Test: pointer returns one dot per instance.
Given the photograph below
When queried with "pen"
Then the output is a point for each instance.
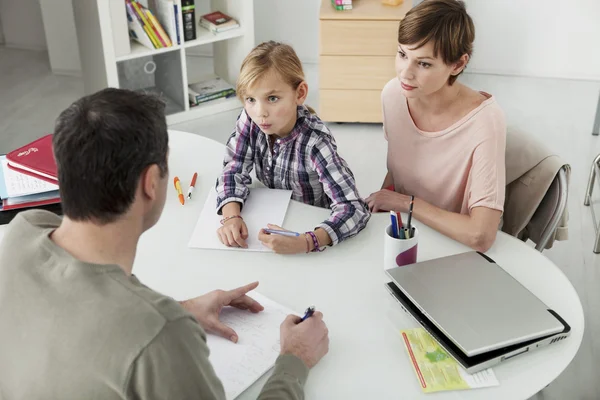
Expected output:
(282, 233)
(400, 223)
(178, 187)
(192, 185)
(308, 313)
(394, 225)
(410, 211)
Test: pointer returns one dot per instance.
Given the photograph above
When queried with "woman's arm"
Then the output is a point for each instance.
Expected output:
(388, 181)
(477, 229)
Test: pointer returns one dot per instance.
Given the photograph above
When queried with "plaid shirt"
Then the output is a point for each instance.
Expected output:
(306, 162)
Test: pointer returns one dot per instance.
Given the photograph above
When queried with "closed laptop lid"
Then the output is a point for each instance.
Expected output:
(473, 301)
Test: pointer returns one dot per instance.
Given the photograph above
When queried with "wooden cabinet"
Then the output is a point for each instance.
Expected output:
(356, 58)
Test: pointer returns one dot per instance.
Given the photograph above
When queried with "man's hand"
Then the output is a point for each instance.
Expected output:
(283, 244)
(387, 200)
(206, 308)
(308, 340)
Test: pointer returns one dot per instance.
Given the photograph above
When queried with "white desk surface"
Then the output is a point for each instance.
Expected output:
(367, 358)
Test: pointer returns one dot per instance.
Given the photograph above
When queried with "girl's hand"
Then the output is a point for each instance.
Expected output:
(387, 200)
(234, 233)
(282, 244)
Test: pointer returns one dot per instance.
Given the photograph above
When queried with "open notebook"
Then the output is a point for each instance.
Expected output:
(240, 364)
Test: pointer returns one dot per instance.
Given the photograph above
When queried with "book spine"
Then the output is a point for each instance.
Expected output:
(208, 25)
(162, 35)
(214, 96)
(343, 2)
(154, 40)
(6, 206)
(217, 29)
(176, 11)
(188, 11)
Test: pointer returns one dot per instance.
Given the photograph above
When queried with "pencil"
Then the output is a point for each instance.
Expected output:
(410, 211)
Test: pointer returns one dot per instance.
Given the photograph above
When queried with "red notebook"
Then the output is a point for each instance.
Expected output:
(35, 159)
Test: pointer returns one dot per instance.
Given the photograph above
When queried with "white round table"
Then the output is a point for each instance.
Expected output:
(367, 358)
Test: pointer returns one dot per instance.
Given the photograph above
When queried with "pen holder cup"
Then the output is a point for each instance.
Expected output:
(399, 252)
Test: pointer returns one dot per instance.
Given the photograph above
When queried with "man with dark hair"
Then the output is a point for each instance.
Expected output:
(75, 323)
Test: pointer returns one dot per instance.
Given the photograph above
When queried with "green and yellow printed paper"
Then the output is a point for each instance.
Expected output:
(436, 370)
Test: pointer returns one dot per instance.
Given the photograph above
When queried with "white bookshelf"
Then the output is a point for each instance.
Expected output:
(100, 28)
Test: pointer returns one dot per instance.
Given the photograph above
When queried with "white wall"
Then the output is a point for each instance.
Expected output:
(22, 24)
(295, 22)
(61, 38)
(550, 38)
(547, 38)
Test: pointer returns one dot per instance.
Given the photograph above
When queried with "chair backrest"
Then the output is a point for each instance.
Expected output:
(536, 195)
(550, 210)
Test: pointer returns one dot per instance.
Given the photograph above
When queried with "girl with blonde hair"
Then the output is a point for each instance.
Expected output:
(291, 148)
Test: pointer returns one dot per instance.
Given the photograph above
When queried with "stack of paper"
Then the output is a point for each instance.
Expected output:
(19, 190)
(240, 364)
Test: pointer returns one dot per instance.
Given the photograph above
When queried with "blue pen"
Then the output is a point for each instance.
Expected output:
(394, 219)
(308, 313)
(282, 233)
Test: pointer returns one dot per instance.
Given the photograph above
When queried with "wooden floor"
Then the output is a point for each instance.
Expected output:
(558, 112)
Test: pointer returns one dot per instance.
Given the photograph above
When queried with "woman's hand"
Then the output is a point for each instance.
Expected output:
(387, 200)
(282, 244)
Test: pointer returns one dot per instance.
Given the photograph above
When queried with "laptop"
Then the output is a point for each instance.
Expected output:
(478, 312)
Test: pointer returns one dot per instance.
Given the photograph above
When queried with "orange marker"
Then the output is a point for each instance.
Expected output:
(178, 187)
(192, 185)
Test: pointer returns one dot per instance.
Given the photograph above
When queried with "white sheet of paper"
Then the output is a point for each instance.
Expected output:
(18, 184)
(481, 379)
(263, 206)
(240, 364)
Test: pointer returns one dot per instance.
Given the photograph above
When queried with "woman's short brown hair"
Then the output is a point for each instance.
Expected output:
(446, 23)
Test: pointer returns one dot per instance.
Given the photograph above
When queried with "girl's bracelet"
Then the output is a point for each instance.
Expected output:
(315, 242)
(230, 217)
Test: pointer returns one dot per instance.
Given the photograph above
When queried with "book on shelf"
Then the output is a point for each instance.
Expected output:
(188, 14)
(137, 30)
(166, 12)
(218, 22)
(158, 30)
(210, 89)
(139, 11)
